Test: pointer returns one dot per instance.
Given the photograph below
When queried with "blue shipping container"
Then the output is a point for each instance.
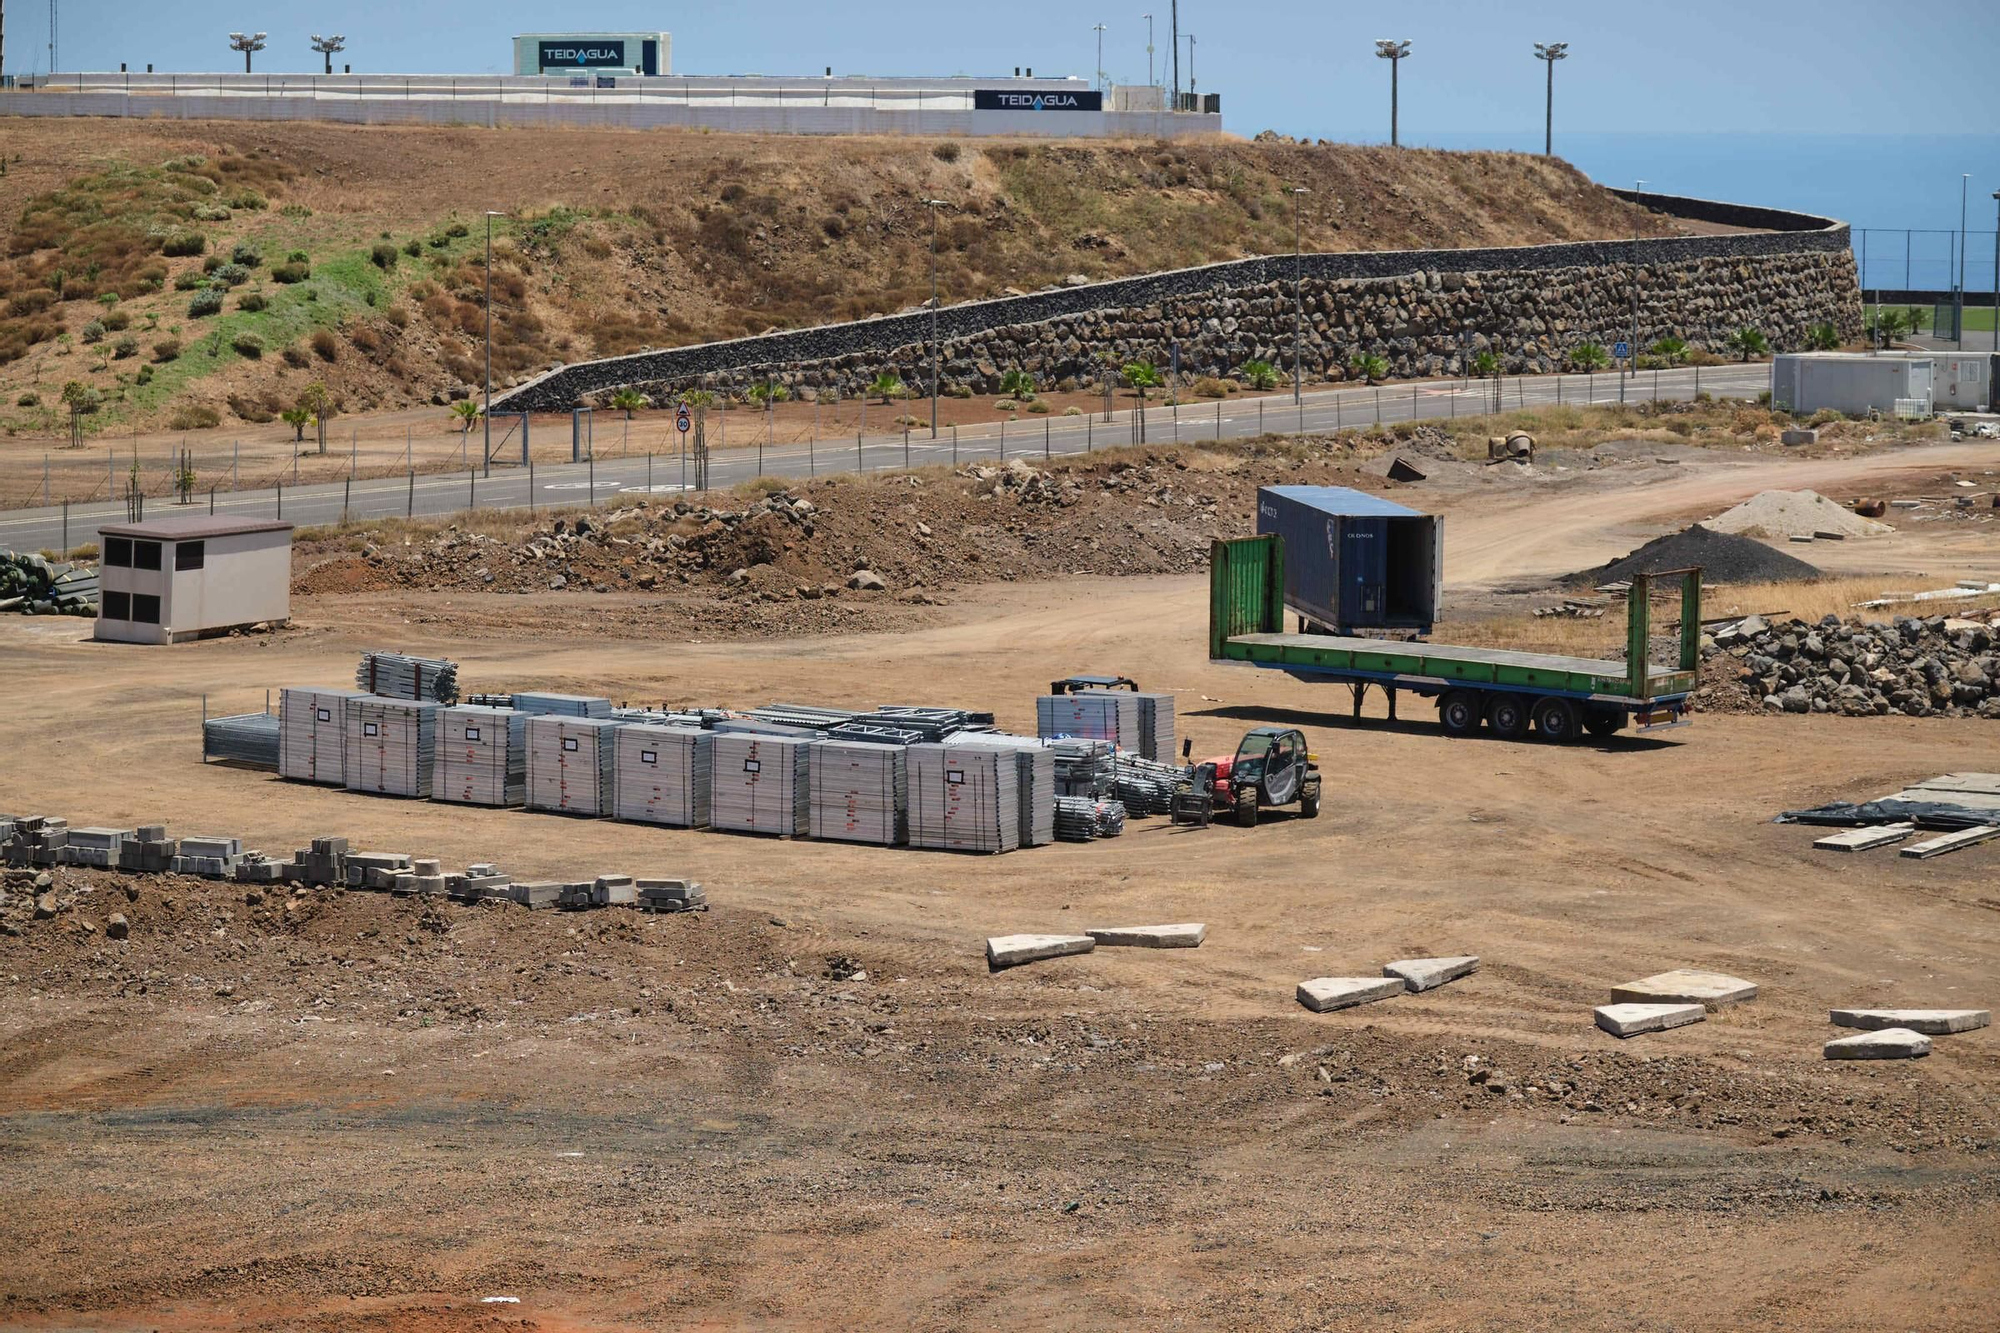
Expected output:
(1355, 561)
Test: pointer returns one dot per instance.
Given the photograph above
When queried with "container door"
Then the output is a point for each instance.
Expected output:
(1364, 566)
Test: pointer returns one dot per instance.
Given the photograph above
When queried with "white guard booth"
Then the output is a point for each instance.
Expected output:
(192, 575)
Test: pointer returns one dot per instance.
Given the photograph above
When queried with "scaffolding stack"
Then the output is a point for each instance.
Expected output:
(663, 775)
(481, 756)
(762, 784)
(1082, 818)
(860, 792)
(389, 745)
(569, 769)
(537, 704)
(312, 730)
(399, 676)
(1083, 767)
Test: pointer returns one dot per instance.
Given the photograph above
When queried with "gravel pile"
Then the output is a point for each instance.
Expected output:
(1723, 558)
(1934, 667)
(1784, 514)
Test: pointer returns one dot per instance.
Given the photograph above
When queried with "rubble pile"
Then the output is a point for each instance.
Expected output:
(1919, 667)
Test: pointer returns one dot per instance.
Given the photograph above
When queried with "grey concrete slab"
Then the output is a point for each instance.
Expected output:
(1685, 985)
(1888, 1044)
(1629, 1020)
(1934, 1022)
(1188, 935)
(1323, 995)
(1420, 974)
(1864, 839)
(1013, 950)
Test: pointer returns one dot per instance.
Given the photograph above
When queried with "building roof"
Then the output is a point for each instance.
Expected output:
(191, 527)
(1343, 501)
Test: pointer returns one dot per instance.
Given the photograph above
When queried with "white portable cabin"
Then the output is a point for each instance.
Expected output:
(662, 774)
(312, 733)
(762, 784)
(390, 745)
(570, 764)
(481, 756)
(860, 792)
(191, 575)
(1803, 383)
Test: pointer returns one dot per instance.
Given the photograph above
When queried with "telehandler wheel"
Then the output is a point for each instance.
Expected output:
(1309, 805)
(1246, 809)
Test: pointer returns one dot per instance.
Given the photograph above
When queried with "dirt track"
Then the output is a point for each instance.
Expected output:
(352, 1113)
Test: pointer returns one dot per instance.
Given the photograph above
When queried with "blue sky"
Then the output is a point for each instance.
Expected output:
(1852, 66)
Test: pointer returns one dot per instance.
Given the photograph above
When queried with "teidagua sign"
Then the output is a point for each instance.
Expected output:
(993, 99)
(585, 54)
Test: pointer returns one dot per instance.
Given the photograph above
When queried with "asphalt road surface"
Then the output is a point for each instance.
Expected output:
(511, 487)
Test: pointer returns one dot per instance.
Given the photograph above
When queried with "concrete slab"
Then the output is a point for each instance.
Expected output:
(1013, 950)
(1187, 935)
(1864, 839)
(1951, 842)
(1888, 1044)
(1935, 1022)
(1629, 1020)
(1685, 985)
(1323, 995)
(1427, 973)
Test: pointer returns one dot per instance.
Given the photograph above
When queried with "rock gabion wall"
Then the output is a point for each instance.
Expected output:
(1424, 312)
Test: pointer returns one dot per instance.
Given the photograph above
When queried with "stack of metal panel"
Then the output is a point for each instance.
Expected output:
(390, 745)
(1098, 715)
(754, 726)
(860, 792)
(490, 700)
(312, 730)
(964, 798)
(247, 738)
(662, 774)
(482, 756)
(1083, 767)
(876, 733)
(1082, 818)
(762, 784)
(1146, 787)
(934, 724)
(812, 717)
(1156, 726)
(400, 676)
(1036, 779)
(570, 764)
(537, 704)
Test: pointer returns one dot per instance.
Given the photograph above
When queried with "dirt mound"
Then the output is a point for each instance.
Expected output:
(1782, 514)
(1723, 558)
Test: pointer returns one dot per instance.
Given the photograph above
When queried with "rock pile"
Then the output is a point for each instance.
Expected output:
(1931, 667)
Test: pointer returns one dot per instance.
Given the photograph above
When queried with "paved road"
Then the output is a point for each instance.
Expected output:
(612, 481)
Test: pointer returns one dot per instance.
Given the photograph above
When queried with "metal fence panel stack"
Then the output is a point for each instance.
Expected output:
(964, 798)
(1145, 787)
(481, 756)
(663, 774)
(860, 792)
(1156, 726)
(390, 745)
(1098, 715)
(1082, 818)
(538, 704)
(812, 717)
(247, 738)
(762, 784)
(312, 733)
(399, 676)
(570, 764)
(1083, 767)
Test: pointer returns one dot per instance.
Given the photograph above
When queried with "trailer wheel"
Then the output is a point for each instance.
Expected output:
(1459, 712)
(1508, 716)
(1556, 720)
(1603, 722)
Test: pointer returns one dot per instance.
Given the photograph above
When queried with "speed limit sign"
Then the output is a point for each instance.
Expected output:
(682, 422)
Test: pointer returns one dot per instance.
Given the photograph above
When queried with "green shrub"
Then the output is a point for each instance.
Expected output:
(245, 254)
(189, 281)
(289, 272)
(211, 213)
(248, 344)
(195, 416)
(145, 375)
(93, 332)
(251, 301)
(114, 320)
(298, 257)
(212, 263)
(126, 346)
(1039, 405)
(205, 303)
(440, 241)
(457, 229)
(413, 247)
(248, 199)
(231, 275)
(27, 400)
(166, 349)
(180, 243)
(296, 211)
(383, 256)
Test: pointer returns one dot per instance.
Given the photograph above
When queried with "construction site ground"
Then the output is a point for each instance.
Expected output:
(346, 1111)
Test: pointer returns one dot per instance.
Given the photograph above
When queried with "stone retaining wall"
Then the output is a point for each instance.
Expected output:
(1423, 312)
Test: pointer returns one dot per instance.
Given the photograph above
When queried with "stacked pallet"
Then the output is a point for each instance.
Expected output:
(964, 798)
(248, 738)
(762, 784)
(1156, 726)
(569, 768)
(399, 676)
(482, 756)
(662, 775)
(536, 704)
(389, 745)
(860, 792)
(312, 729)
(1098, 715)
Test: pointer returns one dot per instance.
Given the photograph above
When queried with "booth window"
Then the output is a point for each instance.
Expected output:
(145, 607)
(190, 555)
(118, 552)
(145, 555)
(117, 605)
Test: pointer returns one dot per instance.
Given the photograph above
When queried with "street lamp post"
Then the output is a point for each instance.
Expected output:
(1298, 293)
(934, 205)
(1632, 347)
(1191, 71)
(486, 414)
(1994, 404)
(326, 46)
(1149, 50)
(1958, 296)
(1099, 30)
(1548, 53)
(246, 44)
(1395, 53)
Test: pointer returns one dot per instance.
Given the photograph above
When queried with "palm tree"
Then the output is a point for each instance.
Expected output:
(1018, 384)
(465, 411)
(1141, 375)
(1589, 357)
(298, 418)
(1823, 338)
(1671, 350)
(1485, 365)
(629, 401)
(1370, 367)
(1747, 342)
(1259, 374)
(888, 384)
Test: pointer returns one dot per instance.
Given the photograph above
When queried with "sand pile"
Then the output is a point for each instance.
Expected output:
(1783, 514)
(1723, 558)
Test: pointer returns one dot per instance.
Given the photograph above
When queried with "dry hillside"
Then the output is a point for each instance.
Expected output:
(186, 272)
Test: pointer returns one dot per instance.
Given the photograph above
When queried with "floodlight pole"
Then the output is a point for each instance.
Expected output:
(1099, 30)
(1298, 294)
(246, 44)
(326, 46)
(1548, 53)
(1994, 397)
(1958, 297)
(486, 415)
(934, 205)
(1395, 52)
(1149, 51)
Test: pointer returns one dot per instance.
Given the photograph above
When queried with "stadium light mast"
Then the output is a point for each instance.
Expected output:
(1548, 54)
(1099, 30)
(326, 46)
(1395, 53)
(253, 42)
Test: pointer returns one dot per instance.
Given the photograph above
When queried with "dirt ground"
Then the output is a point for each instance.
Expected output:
(343, 1111)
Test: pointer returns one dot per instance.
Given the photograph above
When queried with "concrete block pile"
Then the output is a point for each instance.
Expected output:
(36, 840)
(149, 851)
(216, 858)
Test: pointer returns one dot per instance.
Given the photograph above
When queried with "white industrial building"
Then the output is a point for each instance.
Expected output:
(169, 579)
(1853, 384)
(583, 54)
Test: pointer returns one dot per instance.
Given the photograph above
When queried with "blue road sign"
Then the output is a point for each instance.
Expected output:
(1621, 350)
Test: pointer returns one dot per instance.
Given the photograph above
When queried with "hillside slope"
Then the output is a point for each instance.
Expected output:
(352, 256)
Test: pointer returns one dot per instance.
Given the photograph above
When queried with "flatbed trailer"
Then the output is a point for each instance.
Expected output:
(1510, 692)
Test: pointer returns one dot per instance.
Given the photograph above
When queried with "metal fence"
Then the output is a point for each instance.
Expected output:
(1924, 260)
